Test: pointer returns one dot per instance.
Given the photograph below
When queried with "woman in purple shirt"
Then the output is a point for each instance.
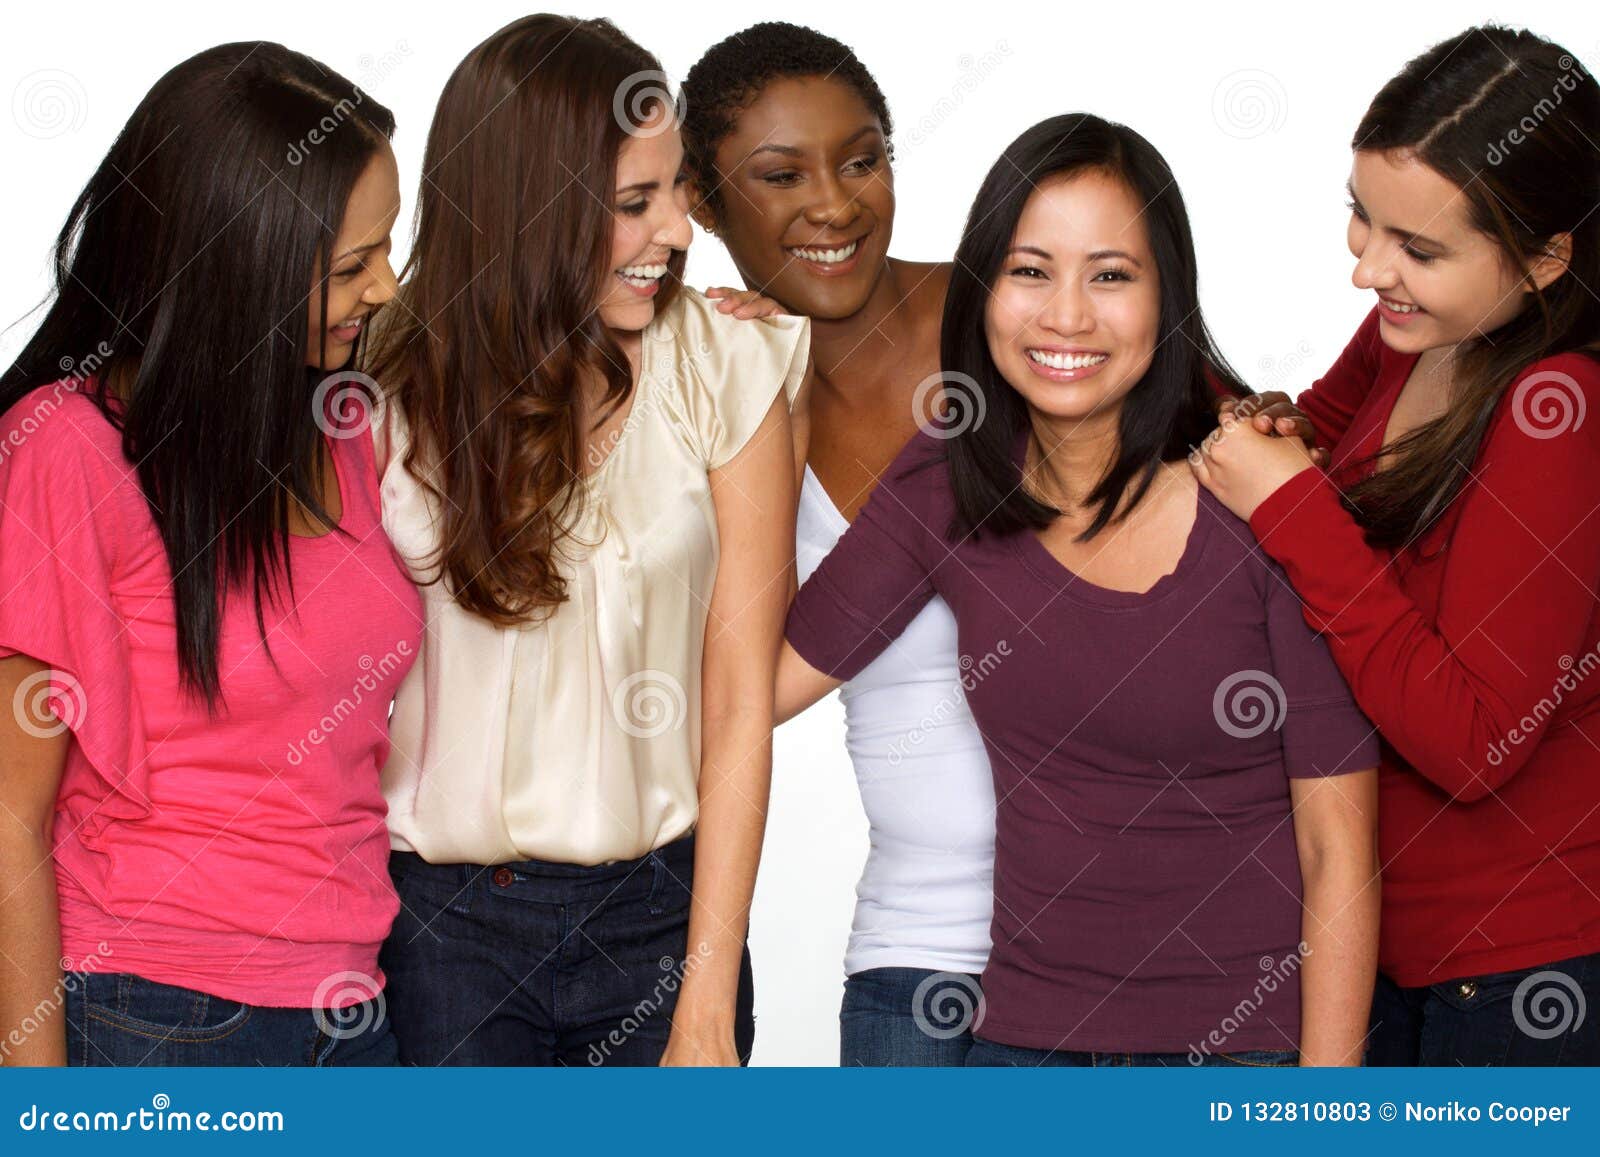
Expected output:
(1184, 861)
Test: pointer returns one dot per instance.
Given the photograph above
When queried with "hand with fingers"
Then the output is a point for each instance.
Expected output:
(745, 303)
(1243, 465)
(1274, 414)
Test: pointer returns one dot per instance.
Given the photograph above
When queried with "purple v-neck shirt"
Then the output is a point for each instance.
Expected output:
(1147, 886)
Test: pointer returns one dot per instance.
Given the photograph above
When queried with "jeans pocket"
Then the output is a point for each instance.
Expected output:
(161, 1012)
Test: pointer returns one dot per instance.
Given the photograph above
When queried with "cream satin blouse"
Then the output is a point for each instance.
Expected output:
(577, 739)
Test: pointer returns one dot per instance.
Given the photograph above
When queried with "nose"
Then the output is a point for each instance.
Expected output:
(834, 209)
(1375, 267)
(383, 286)
(676, 231)
(1067, 314)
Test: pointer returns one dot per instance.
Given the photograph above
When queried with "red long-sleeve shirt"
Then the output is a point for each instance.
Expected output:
(1476, 652)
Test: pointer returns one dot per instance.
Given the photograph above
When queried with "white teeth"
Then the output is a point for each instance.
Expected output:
(642, 274)
(353, 323)
(1066, 361)
(828, 256)
(1399, 308)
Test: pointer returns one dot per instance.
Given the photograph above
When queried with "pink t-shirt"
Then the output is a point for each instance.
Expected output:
(243, 855)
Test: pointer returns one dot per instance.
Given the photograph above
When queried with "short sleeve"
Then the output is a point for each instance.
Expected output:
(66, 508)
(1324, 732)
(728, 371)
(880, 574)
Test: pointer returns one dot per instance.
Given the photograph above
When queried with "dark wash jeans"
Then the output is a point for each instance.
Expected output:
(117, 1019)
(537, 963)
(1545, 1015)
(907, 1017)
(987, 1053)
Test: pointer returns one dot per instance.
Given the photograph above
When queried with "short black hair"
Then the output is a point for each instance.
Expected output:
(732, 73)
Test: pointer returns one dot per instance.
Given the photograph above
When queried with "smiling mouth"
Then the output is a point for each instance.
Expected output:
(1400, 306)
(642, 276)
(350, 328)
(824, 256)
(1051, 359)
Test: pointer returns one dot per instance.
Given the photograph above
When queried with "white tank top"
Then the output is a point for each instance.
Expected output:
(926, 896)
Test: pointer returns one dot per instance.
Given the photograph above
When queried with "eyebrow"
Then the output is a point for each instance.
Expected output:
(358, 249)
(640, 187)
(1404, 235)
(1097, 255)
(792, 151)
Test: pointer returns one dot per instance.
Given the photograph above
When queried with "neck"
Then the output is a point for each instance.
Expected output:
(1067, 457)
(880, 324)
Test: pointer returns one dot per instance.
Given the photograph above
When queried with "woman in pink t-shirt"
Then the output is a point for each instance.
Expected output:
(201, 620)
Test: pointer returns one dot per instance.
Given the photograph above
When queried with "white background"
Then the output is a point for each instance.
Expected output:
(1253, 106)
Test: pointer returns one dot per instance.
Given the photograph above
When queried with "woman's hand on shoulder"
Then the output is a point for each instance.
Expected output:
(745, 304)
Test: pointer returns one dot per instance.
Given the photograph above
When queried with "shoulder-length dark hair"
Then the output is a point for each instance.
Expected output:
(183, 269)
(1457, 108)
(1167, 413)
(498, 326)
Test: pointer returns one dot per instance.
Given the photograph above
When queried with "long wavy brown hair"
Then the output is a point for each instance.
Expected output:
(496, 334)
(1451, 108)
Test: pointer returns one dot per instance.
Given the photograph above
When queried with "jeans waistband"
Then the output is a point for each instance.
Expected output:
(675, 858)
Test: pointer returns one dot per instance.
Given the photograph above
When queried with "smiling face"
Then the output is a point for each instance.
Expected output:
(1439, 280)
(360, 277)
(807, 196)
(1075, 311)
(650, 222)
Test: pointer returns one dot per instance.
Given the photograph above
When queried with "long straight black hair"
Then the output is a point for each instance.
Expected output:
(184, 270)
(1514, 121)
(1167, 413)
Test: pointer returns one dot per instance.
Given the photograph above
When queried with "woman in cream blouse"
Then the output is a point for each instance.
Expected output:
(578, 780)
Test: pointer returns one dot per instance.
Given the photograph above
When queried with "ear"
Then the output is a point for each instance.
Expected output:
(700, 209)
(1553, 262)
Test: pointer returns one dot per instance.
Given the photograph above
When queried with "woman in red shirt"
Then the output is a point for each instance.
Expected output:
(1451, 555)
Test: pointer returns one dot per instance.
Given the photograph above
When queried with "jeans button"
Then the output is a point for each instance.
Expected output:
(1468, 989)
(504, 877)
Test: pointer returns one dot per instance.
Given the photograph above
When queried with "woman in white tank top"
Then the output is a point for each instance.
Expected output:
(786, 141)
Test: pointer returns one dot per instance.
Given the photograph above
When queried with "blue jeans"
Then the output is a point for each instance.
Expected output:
(988, 1053)
(117, 1019)
(907, 1017)
(538, 963)
(1545, 1015)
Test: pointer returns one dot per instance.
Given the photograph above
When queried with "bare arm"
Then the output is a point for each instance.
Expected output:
(755, 505)
(799, 684)
(30, 928)
(1335, 831)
